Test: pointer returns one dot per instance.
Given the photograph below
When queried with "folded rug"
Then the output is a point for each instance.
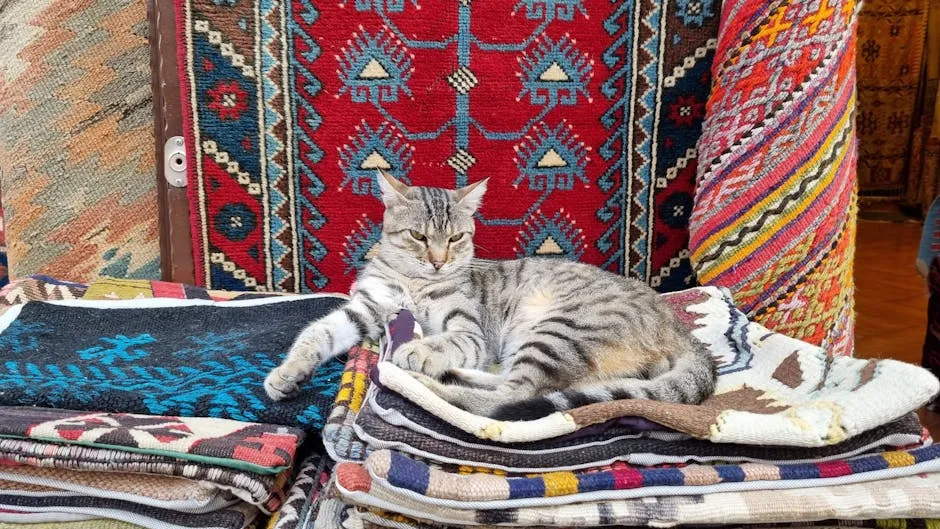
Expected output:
(259, 448)
(178, 494)
(486, 490)
(164, 357)
(119, 288)
(771, 389)
(360, 518)
(303, 498)
(19, 518)
(237, 516)
(36, 288)
(907, 497)
(264, 490)
(406, 428)
(339, 437)
(96, 523)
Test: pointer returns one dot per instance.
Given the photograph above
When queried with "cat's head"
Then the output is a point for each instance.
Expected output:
(428, 231)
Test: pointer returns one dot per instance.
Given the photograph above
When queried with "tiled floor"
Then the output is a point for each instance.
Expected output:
(890, 296)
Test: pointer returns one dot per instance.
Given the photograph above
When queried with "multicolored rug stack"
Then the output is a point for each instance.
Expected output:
(141, 405)
(584, 114)
(774, 216)
(791, 436)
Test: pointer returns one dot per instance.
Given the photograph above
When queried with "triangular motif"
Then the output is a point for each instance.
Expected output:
(551, 158)
(375, 161)
(375, 70)
(549, 247)
(554, 74)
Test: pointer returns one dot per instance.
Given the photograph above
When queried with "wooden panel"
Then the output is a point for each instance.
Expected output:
(175, 236)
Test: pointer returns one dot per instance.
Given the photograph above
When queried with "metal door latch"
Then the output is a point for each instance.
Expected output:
(174, 161)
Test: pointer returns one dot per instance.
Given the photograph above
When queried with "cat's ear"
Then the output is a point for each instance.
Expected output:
(470, 196)
(393, 191)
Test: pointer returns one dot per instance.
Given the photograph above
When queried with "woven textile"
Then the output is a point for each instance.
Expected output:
(438, 441)
(584, 114)
(303, 499)
(76, 139)
(770, 389)
(114, 288)
(88, 524)
(263, 490)
(774, 216)
(38, 288)
(908, 497)
(238, 516)
(262, 448)
(339, 436)
(137, 356)
(486, 490)
(890, 67)
(372, 519)
(164, 492)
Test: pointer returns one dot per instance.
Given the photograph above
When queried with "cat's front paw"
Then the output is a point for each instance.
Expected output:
(420, 357)
(283, 383)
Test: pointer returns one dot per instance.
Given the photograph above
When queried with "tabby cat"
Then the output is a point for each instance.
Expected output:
(564, 334)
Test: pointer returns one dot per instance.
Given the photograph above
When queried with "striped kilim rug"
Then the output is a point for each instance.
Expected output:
(774, 217)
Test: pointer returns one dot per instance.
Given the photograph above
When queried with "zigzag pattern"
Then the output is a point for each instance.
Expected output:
(76, 129)
(785, 234)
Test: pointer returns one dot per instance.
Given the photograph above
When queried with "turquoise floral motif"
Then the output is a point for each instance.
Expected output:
(549, 10)
(22, 337)
(119, 347)
(358, 245)
(555, 72)
(555, 236)
(551, 158)
(375, 68)
(370, 150)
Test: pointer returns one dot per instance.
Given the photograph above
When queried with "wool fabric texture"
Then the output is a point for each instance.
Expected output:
(451, 488)
(585, 126)
(264, 490)
(906, 497)
(769, 390)
(775, 203)
(260, 448)
(165, 492)
(423, 440)
(162, 357)
(76, 139)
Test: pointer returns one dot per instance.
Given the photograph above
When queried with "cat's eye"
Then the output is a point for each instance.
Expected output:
(418, 236)
(457, 237)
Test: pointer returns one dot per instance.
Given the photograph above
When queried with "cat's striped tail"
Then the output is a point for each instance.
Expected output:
(690, 381)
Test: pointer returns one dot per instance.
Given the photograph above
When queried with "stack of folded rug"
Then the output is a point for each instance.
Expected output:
(791, 436)
(123, 410)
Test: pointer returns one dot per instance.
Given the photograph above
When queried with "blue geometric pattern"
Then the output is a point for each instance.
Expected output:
(550, 237)
(206, 361)
(375, 68)
(555, 72)
(551, 158)
(371, 150)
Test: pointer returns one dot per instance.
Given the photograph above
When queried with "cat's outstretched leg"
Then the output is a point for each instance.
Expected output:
(363, 317)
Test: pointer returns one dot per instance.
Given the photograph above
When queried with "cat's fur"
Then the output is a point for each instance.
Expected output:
(565, 334)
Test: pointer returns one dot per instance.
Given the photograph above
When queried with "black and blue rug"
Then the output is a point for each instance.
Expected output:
(189, 360)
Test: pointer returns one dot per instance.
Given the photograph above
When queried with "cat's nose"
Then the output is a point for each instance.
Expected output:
(437, 264)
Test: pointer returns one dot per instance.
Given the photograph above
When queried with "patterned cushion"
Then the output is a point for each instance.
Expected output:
(774, 216)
